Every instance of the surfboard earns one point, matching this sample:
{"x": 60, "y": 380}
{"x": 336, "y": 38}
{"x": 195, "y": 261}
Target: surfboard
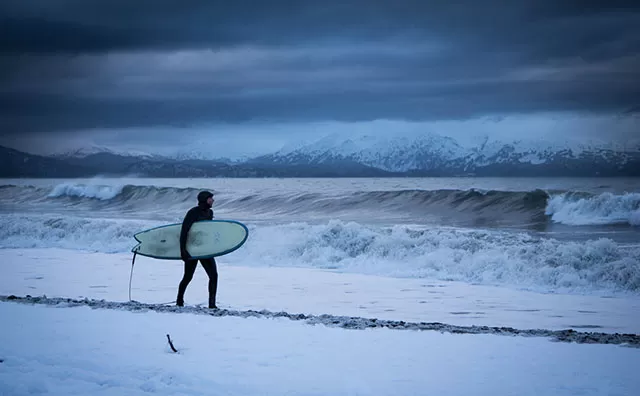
{"x": 206, "y": 239}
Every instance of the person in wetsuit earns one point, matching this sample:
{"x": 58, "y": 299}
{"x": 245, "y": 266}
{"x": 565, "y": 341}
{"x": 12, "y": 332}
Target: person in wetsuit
{"x": 201, "y": 212}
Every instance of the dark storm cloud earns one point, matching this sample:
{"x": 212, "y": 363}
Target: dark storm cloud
{"x": 83, "y": 64}
{"x": 87, "y": 26}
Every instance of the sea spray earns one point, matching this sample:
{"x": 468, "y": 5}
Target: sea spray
{"x": 606, "y": 208}
{"x": 477, "y": 256}
{"x": 85, "y": 191}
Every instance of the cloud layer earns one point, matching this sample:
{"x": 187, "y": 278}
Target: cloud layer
{"x": 74, "y": 65}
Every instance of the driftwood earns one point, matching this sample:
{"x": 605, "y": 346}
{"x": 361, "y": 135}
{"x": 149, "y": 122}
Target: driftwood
{"x": 171, "y": 344}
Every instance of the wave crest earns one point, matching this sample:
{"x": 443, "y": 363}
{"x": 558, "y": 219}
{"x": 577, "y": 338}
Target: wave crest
{"x": 606, "y": 208}
{"x": 85, "y": 191}
{"x": 474, "y": 207}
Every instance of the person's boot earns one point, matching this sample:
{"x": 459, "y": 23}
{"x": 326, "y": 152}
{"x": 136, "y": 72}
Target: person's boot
{"x": 212, "y": 303}
{"x": 180, "y": 301}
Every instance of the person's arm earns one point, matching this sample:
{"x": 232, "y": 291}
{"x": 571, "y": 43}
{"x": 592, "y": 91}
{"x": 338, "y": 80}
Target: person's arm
{"x": 188, "y": 221}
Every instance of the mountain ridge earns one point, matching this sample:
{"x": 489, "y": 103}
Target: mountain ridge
{"x": 335, "y": 156}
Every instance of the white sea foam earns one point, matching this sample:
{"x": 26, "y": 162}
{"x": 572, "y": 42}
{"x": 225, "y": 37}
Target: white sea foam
{"x": 606, "y": 208}
{"x": 102, "y": 192}
{"x": 470, "y": 256}
{"x": 84, "y": 351}
{"x": 99, "y": 235}
{"x": 65, "y": 216}
{"x": 482, "y": 257}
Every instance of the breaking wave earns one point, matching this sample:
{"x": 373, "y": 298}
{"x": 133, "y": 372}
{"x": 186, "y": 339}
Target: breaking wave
{"x": 92, "y": 191}
{"x": 483, "y": 257}
{"x": 493, "y": 206}
{"x": 98, "y": 235}
{"x": 606, "y": 208}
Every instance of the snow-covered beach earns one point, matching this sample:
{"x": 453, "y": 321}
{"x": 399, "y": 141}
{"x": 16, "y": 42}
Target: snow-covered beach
{"x": 71, "y": 241}
{"x": 80, "y": 351}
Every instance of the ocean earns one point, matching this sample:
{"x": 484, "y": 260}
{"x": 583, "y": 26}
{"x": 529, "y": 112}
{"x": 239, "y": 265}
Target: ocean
{"x": 556, "y": 235}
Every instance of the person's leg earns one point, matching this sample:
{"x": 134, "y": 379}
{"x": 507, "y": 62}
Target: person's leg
{"x": 210, "y": 267}
{"x": 189, "y": 270}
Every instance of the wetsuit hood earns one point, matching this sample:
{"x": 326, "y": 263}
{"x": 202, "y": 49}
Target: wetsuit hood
{"x": 203, "y": 196}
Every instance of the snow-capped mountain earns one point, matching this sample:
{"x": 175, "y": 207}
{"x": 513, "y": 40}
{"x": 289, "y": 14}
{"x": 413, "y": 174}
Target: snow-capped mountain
{"x": 433, "y": 153}
{"x": 86, "y": 151}
{"x": 427, "y": 154}
{"x": 196, "y": 155}
{"x": 393, "y": 154}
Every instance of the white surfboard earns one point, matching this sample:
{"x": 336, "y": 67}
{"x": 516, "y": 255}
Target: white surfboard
{"x": 206, "y": 238}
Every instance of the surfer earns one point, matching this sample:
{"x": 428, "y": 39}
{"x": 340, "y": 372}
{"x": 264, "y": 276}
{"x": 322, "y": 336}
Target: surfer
{"x": 200, "y": 212}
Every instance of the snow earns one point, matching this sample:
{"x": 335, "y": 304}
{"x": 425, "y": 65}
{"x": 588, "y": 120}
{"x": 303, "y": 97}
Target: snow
{"x": 75, "y": 274}
{"x": 87, "y": 150}
{"x": 83, "y": 151}
{"x": 63, "y": 273}
{"x": 534, "y": 159}
{"x": 407, "y": 151}
{"x": 404, "y": 151}
{"x": 75, "y": 351}
{"x": 336, "y": 143}
{"x": 114, "y": 348}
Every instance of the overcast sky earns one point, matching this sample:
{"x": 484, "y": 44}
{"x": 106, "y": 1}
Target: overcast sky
{"x": 250, "y": 76}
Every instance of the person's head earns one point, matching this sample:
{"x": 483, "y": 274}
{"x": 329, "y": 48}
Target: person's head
{"x": 205, "y": 198}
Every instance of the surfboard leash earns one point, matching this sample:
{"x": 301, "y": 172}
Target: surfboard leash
{"x": 133, "y": 261}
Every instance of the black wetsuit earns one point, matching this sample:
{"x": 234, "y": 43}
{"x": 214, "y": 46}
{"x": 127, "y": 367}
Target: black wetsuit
{"x": 198, "y": 213}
